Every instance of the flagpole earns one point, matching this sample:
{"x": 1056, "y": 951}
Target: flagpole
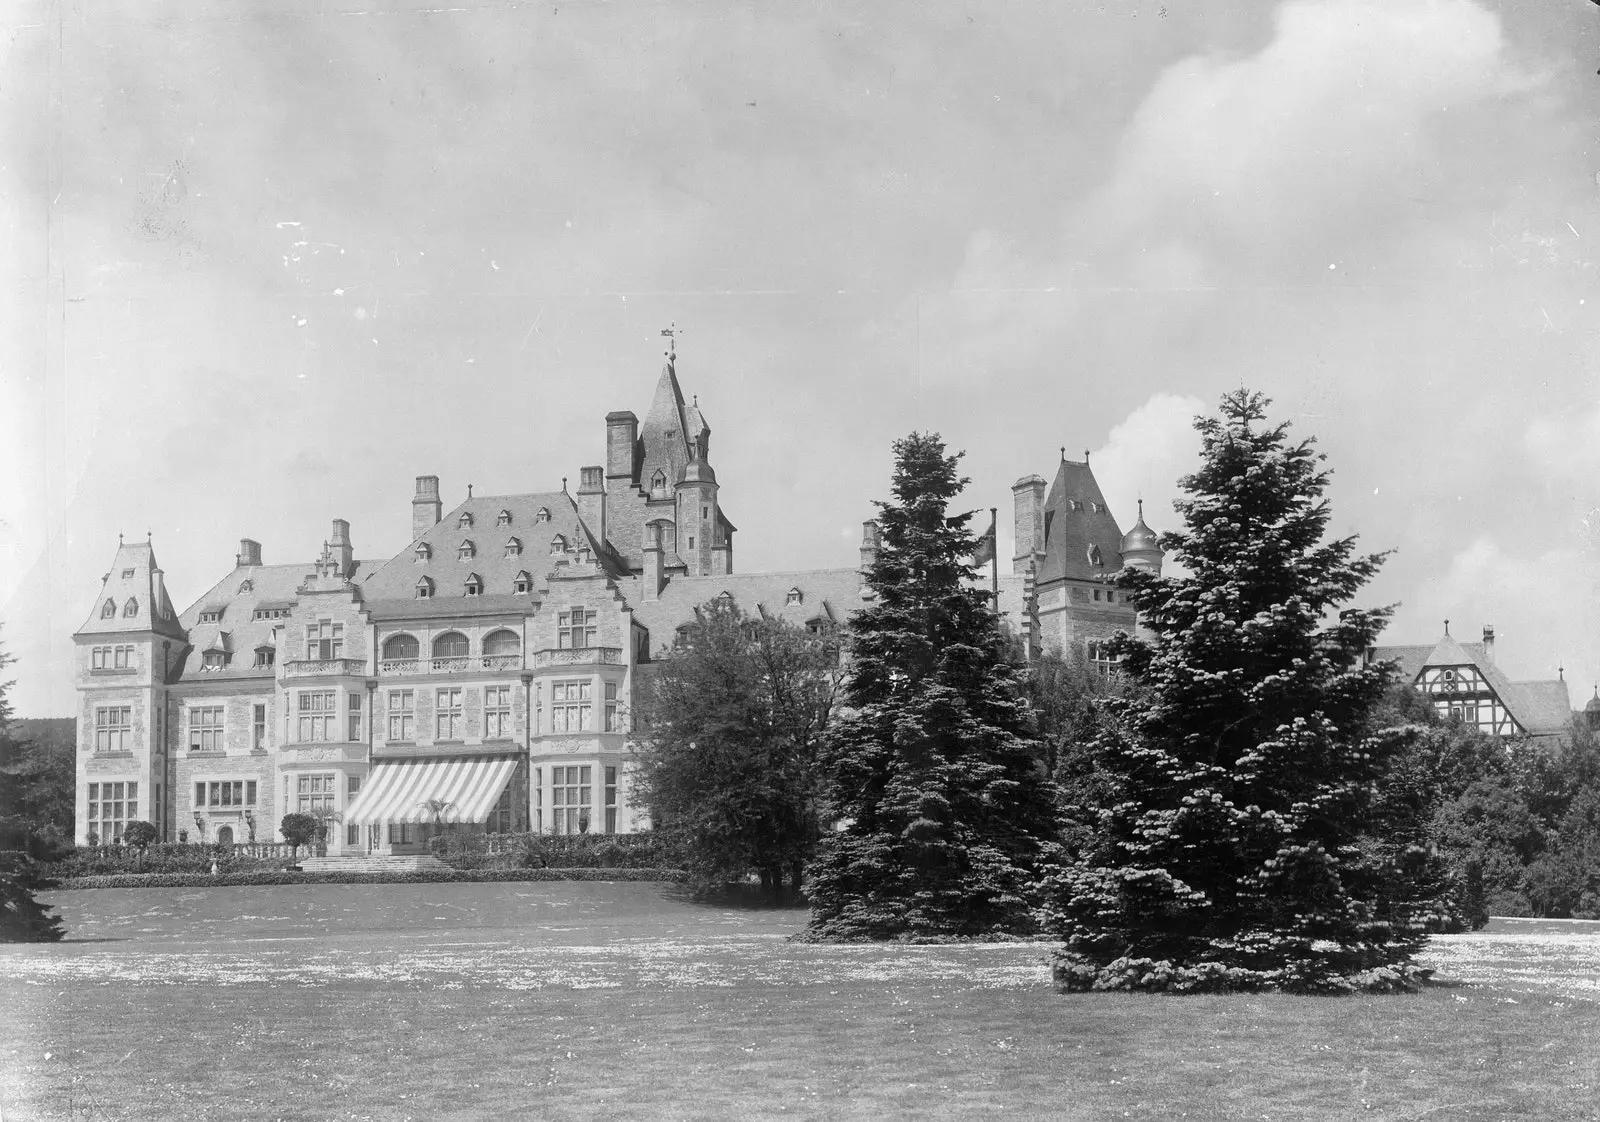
{"x": 994, "y": 557}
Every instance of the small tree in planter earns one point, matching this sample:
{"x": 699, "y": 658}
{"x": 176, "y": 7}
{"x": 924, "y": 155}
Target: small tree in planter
{"x": 140, "y": 836}
{"x": 298, "y": 830}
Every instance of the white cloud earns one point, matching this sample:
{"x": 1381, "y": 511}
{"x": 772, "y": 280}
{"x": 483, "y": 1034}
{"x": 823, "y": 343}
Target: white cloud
{"x": 1144, "y": 456}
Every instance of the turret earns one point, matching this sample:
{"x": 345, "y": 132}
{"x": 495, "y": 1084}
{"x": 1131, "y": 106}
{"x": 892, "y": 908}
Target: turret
{"x": 1140, "y": 549}
{"x": 697, "y": 513}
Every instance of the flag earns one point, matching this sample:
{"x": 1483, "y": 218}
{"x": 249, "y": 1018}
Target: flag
{"x": 985, "y": 551}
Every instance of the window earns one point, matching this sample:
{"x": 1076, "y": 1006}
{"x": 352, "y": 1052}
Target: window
{"x": 575, "y": 628}
{"x": 127, "y": 574}
{"x": 691, "y": 541}
{"x": 558, "y": 544}
{"x": 474, "y": 584}
{"x": 353, "y": 707}
{"x": 258, "y": 728}
{"x": 131, "y": 608}
{"x": 611, "y": 800}
{"x": 1094, "y": 556}
{"x": 246, "y": 586}
{"x": 211, "y": 615}
{"x": 316, "y": 793}
{"x": 543, "y": 515}
{"x": 318, "y": 714}
{"x": 466, "y": 550}
{"x": 111, "y": 807}
{"x": 401, "y": 725}
{"x": 464, "y": 521}
{"x": 352, "y": 833}
{"x": 447, "y": 714}
{"x": 226, "y": 792}
{"x": 113, "y": 728}
{"x": 423, "y": 551}
{"x": 658, "y": 485}
{"x": 1101, "y": 661}
{"x": 270, "y": 613}
{"x": 215, "y": 660}
{"x": 352, "y": 788}
{"x": 112, "y": 658}
{"x": 424, "y": 589}
{"x": 538, "y": 800}
{"x": 497, "y": 713}
{"x": 572, "y": 706}
{"x": 452, "y": 644}
{"x": 569, "y": 799}
{"x": 611, "y": 708}
{"x": 205, "y": 729}
{"x": 522, "y": 583}
{"x": 324, "y": 640}
{"x": 503, "y": 518}
{"x": 513, "y": 547}
{"x": 1097, "y": 594}
{"x": 502, "y": 643}
{"x": 500, "y": 817}
{"x": 705, "y": 512}
{"x": 265, "y": 656}
{"x": 795, "y": 596}
{"x": 402, "y": 833}
{"x": 401, "y": 646}
{"x": 108, "y": 610}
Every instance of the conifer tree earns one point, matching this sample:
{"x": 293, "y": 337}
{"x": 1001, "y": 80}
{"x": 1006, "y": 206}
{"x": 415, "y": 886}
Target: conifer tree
{"x": 1235, "y": 850}
{"x": 946, "y": 823}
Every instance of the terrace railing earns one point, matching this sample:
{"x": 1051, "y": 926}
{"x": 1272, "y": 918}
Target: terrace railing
{"x": 318, "y": 667}
{"x": 575, "y": 656}
{"x": 463, "y": 664}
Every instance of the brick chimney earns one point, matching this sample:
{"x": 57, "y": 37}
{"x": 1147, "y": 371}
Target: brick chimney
{"x": 426, "y": 509}
{"x": 249, "y": 553}
{"x": 654, "y": 560}
{"x": 1488, "y": 642}
{"x": 1027, "y": 496}
{"x": 592, "y": 501}
{"x": 622, "y": 437}
{"x": 339, "y": 544}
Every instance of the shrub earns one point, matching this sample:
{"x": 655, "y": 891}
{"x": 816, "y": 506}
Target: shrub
{"x": 22, "y": 918}
{"x": 419, "y": 876}
{"x": 109, "y": 860}
{"x": 140, "y": 835}
{"x": 646, "y": 850}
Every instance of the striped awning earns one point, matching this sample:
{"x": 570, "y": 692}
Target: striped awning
{"x": 399, "y": 790}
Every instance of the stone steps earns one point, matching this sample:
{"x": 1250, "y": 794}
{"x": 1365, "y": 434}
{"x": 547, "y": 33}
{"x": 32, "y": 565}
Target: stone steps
{"x": 376, "y": 864}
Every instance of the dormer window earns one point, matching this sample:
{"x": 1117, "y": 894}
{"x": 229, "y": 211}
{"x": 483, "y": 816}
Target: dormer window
{"x": 131, "y": 608}
{"x": 247, "y": 586}
{"x": 127, "y": 574}
{"x": 558, "y": 544}
{"x": 465, "y": 521}
{"x": 211, "y": 615}
{"x": 543, "y": 515}
{"x": 108, "y": 610}
{"x": 265, "y": 656}
{"x": 503, "y": 519}
{"x": 425, "y": 588}
{"x": 423, "y": 552}
{"x": 214, "y": 660}
{"x": 1094, "y": 556}
{"x": 658, "y": 485}
{"x": 522, "y": 584}
{"x": 795, "y": 596}
{"x": 513, "y": 547}
{"x": 466, "y": 550}
{"x": 474, "y": 584}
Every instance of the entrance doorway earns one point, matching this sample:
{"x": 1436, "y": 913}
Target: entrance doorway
{"x": 225, "y": 835}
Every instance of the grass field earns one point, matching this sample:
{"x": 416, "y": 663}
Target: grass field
{"x": 574, "y": 1000}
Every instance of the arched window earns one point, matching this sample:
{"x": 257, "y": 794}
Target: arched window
{"x": 425, "y": 588}
{"x": 474, "y": 584}
{"x": 502, "y": 642}
{"x": 504, "y": 518}
{"x": 658, "y": 485}
{"x": 423, "y": 551}
{"x": 108, "y": 610}
{"x": 513, "y": 547}
{"x": 401, "y": 646}
{"x": 464, "y": 521}
{"x": 543, "y": 515}
{"x": 558, "y": 544}
{"x": 466, "y": 550}
{"x": 131, "y": 608}
{"x": 452, "y": 644}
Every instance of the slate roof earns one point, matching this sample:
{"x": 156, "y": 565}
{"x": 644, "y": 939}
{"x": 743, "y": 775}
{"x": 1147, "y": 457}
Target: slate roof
{"x": 1076, "y": 520}
{"x": 831, "y": 594}
{"x": 144, "y": 586}
{"x": 1540, "y": 707}
{"x": 238, "y": 632}
{"x": 396, "y": 579}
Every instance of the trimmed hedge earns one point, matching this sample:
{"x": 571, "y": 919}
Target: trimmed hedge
{"x": 418, "y": 876}
{"x": 108, "y": 860}
{"x": 646, "y": 850}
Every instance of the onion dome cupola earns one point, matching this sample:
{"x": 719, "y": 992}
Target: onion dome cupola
{"x": 1140, "y": 548}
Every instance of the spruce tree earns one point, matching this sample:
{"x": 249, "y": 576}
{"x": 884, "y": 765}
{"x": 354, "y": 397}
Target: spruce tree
{"x": 946, "y": 824}
{"x": 1235, "y": 850}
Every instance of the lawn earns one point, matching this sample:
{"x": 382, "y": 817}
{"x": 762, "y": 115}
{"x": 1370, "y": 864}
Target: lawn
{"x": 624, "y": 1000}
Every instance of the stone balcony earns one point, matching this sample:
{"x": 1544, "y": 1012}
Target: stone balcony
{"x": 469, "y": 664}
{"x": 577, "y": 656}
{"x": 323, "y": 667}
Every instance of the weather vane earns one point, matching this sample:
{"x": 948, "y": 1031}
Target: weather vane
{"x": 671, "y": 333}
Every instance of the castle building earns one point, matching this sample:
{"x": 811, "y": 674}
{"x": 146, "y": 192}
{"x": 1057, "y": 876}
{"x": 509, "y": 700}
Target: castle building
{"x": 483, "y": 674}
{"x": 1463, "y": 683}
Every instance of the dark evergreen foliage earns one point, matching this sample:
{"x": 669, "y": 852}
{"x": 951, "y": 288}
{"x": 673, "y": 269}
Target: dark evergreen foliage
{"x": 726, "y": 742}
{"x": 22, "y": 918}
{"x": 1235, "y": 849}
{"x": 946, "y": 824}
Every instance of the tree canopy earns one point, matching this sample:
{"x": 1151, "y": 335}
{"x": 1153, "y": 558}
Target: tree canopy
{"x": 1235, "y": 846}
{"x": 945, "y": 819}
{"x": 726, "y": 732}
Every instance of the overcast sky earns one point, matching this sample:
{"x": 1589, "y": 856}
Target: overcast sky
{"x": 261, "y": 270}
